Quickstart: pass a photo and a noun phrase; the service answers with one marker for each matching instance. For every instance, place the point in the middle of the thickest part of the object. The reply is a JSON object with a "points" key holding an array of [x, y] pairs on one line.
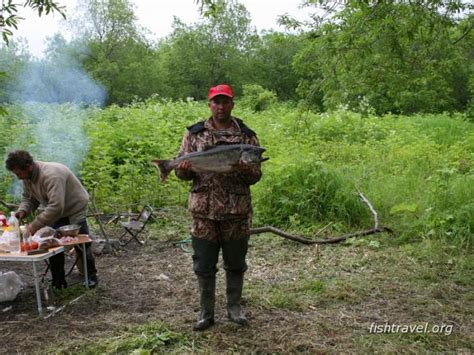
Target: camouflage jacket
{"points": [[219, 196]]}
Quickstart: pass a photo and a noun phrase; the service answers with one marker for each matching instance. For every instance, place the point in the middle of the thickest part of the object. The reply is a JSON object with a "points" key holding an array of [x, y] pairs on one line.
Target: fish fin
{"points": [[163, 167]]}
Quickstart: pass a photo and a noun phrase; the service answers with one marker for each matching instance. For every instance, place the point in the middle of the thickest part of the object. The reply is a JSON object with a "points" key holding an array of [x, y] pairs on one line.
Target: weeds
{"points": [[147, 339], [417, 171]]}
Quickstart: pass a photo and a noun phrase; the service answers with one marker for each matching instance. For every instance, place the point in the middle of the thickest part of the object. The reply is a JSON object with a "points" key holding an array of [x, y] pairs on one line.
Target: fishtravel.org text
{"points": [[424, 328]]}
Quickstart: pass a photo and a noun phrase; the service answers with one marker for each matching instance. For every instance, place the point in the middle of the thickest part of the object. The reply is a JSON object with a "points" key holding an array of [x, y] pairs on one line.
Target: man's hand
{"points": [[184, 165], [31, 229], [245, 168], [20, 214]]}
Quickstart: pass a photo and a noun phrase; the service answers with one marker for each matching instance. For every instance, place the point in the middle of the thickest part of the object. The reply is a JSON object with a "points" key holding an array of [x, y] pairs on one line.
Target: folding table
{"points": [[81, 240], [33, 259]]}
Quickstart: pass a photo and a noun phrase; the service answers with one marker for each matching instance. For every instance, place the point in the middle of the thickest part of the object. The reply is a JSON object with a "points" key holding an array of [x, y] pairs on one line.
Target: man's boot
{"points": [[207, 288], [235, 283]]}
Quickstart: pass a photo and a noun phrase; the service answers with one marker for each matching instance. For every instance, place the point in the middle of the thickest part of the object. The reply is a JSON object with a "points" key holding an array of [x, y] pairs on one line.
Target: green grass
{"points": [[417, 171], [71, 292], [154, 337], [331, 295]]}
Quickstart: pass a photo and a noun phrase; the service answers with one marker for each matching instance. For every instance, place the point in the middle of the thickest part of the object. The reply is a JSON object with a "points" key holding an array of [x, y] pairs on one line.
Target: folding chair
{"points": [[134, 227]]}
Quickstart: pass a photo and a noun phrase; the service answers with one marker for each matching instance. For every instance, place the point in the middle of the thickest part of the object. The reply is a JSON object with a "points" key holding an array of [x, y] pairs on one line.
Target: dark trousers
{"points": [[57, 261], [234, 249]]}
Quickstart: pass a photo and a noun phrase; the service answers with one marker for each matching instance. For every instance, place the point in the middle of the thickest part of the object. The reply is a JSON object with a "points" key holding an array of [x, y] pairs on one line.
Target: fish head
{"points": [[252, 155]]}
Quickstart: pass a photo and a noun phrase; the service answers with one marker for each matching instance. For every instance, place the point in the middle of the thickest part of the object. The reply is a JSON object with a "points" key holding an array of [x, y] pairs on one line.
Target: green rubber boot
{"points": [[207, 288], [235, 283]]}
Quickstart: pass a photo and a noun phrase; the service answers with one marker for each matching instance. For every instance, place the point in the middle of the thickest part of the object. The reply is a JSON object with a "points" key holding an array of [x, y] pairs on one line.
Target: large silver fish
{"points": [[220, 159]]}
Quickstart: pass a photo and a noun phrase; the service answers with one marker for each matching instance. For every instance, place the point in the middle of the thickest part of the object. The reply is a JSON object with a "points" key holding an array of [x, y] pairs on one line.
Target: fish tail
{"points": [[164, 167]]}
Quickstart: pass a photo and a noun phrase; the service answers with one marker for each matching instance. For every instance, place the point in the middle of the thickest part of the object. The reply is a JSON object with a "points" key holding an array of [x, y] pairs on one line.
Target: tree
{"points": [[399, 56], [271, 63], [113, 49], [9, 14], [215, 50], [13, 59], [107, 22]]}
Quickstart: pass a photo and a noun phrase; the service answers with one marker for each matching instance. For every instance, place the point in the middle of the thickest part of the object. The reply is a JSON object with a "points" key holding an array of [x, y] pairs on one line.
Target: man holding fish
{"points": [[222, 157]]}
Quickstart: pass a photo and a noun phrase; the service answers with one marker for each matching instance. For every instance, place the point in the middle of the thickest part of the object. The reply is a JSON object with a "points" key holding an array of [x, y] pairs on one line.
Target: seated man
{"points": [[54, 186]]}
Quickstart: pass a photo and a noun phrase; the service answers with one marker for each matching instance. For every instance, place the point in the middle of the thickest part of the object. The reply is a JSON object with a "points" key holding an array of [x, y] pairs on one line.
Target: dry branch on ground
{"points": [[331, 240]]}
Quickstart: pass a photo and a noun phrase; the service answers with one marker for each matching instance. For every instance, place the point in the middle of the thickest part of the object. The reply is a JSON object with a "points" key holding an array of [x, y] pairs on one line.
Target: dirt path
{"points": [[298, 299]]}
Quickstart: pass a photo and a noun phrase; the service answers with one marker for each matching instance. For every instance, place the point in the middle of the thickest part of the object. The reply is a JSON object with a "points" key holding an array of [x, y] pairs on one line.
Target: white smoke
{"points": [[59, 81], [56, 133], [53, 99]]}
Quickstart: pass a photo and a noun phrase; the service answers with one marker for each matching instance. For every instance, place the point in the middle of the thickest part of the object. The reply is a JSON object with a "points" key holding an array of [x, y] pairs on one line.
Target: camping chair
{"points": [[134, 227]]}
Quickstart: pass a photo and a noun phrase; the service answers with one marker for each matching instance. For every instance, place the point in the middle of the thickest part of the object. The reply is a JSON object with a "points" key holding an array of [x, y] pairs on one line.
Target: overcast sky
{"points": [[156, 16]]}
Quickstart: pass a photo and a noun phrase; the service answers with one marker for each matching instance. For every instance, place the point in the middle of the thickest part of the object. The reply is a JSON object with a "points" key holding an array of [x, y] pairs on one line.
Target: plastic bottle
{"points": [[13, 223], [14, 235]]}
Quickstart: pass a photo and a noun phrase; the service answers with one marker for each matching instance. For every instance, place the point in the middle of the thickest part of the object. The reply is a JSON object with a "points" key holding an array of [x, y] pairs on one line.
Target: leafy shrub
{"points": [[417, 171], [307, 194], [257, 98], [123, 141]]}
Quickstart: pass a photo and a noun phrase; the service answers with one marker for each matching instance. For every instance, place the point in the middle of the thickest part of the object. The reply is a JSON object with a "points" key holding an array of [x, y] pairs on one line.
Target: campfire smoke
{"points": [[52, 100]]}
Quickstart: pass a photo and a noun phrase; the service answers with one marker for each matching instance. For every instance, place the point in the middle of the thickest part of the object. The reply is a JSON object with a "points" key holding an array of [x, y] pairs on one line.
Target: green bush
{"points": [[417, 171], [257, 98], [304, 194], [123, 141]]}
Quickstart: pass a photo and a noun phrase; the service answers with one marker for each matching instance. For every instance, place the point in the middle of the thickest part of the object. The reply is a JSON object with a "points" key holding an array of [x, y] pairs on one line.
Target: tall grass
{"points": [[417, 171]]}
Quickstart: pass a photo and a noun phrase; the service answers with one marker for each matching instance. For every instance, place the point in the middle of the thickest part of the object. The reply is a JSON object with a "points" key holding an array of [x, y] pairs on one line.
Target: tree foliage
{"points": [[9, 17], [113, 49], [370, 56], [271, 63], [215, 50], [399, 56], [13, 59]]}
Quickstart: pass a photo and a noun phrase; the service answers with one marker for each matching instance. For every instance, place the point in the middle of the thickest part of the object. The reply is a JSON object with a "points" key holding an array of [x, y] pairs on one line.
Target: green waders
{"points": [[205, 259]]}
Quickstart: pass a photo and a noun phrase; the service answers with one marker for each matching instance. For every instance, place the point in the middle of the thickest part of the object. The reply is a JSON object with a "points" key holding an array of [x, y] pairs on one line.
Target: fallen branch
{"points": [[269, 229], [59, 309], [372, 209], [10, 206], [376, 229]]}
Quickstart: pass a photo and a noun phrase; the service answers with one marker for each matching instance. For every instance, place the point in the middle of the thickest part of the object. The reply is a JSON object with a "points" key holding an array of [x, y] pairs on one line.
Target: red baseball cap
{"points": [[222, 89]]}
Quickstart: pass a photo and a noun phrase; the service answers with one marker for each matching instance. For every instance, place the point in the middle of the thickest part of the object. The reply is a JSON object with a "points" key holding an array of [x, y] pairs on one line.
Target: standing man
{"points": [[59, 191], [220, 205]]}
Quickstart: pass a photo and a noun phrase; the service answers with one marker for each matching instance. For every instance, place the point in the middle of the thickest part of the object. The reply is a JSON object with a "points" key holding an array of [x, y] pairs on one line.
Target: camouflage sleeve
{"points": [[186, 147], [253, 175]]}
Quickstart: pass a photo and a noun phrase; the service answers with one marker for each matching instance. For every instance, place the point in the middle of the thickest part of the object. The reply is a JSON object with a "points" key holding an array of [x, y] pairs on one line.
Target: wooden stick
{"points": [[376, 229], [374, 212], [270, 229]]}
